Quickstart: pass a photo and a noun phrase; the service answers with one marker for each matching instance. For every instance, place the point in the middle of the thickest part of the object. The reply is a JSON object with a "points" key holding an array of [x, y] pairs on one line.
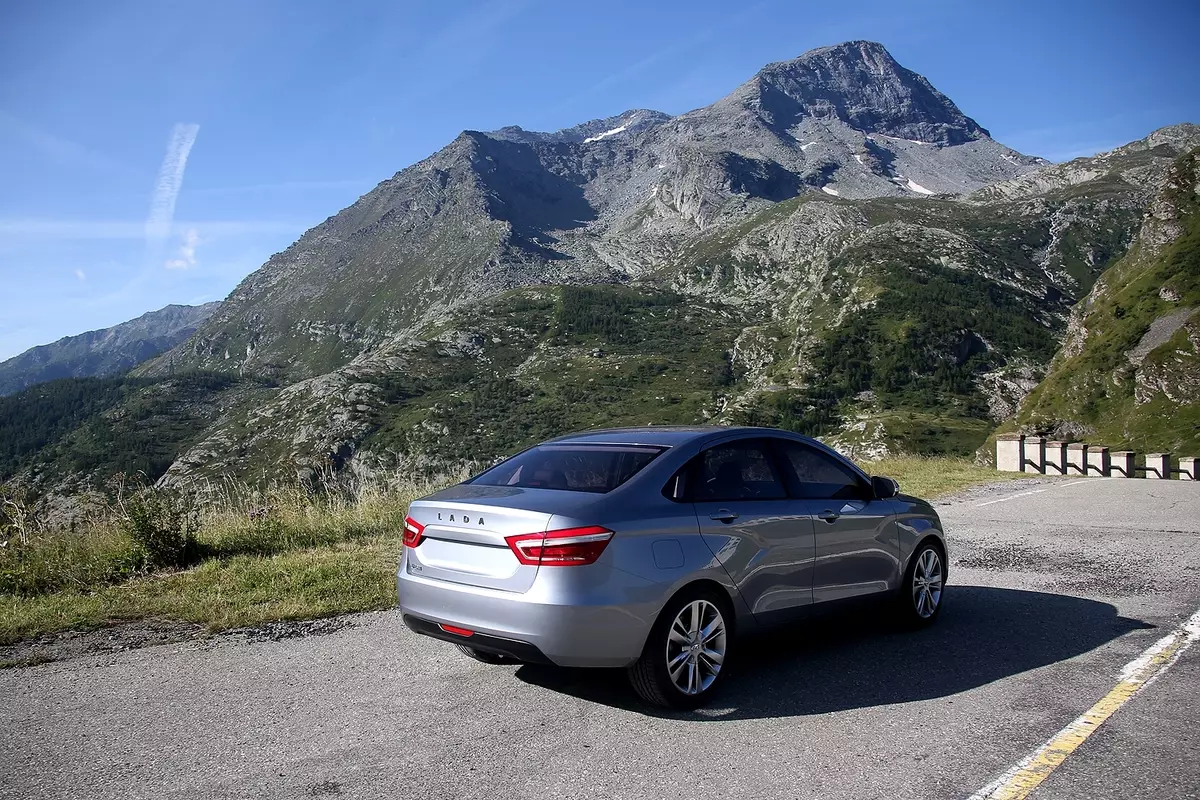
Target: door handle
{"points": [[724, 515], [828, 516]]}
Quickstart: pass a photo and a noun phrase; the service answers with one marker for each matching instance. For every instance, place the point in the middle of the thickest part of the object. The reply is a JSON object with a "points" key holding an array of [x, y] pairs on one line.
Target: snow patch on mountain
{"points": [[600, 136]]}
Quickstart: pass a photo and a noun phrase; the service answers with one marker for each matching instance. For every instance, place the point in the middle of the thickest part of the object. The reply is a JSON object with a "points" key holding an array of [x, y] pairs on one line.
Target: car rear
{"points": [[516, 562]]}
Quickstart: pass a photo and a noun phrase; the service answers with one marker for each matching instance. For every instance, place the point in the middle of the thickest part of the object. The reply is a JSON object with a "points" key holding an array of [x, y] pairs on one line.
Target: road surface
{"points": [[1055, 587]]}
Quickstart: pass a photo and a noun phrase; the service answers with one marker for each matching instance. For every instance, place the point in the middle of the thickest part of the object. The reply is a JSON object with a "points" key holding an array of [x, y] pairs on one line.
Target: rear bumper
{"points": [[522, 651], [570, 631]]}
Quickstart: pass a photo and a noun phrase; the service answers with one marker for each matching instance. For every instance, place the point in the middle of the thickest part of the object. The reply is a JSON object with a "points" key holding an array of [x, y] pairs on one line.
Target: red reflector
{"points": [[456, 631], [562, 548], [412, 532]]}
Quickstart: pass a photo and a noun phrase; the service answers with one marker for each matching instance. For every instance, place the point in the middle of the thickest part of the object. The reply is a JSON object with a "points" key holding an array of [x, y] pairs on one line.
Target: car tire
{"points": [[924, 588], [682, 666], [486, 657]]}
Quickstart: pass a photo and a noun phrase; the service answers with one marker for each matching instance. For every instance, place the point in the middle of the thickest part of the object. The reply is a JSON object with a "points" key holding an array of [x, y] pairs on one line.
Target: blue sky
{"points": [[157, 153]]}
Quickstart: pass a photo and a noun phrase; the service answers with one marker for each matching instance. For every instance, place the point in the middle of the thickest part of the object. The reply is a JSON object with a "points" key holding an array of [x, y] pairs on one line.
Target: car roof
{"points": [[663, 435]]}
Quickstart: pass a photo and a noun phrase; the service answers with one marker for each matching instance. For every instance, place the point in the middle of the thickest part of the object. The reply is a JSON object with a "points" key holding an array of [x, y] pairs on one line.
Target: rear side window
{"points": [[816, 475], [595, 468], [736, 471]]}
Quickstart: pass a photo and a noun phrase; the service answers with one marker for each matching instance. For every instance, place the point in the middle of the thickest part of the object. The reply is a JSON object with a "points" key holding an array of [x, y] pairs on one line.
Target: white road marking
{"points": [[1028, 773], [1034, 491], [1010, 497]]}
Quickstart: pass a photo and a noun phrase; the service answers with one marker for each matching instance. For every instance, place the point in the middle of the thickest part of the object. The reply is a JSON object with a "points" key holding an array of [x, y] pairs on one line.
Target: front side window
{"points": [[816, 475], [736, 471], [597, 468]]}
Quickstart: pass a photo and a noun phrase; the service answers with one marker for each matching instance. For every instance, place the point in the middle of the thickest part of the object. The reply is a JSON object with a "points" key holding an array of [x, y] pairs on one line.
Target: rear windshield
{"points": [[596, 468]]}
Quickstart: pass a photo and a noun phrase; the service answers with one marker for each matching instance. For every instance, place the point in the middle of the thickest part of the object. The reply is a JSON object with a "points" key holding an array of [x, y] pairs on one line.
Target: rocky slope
{"points": [[834, 247], [109, 351], [1128, 372], [608, 201]]}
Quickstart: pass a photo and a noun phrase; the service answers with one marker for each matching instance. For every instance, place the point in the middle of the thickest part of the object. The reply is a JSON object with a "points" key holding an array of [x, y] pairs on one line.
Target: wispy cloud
{"points": [[168, 184], [61, 151], [186, 257], [80, 274]]}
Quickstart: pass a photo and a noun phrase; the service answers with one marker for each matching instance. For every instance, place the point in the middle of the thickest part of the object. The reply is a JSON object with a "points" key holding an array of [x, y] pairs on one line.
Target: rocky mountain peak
{"points": [[861, 85], [622, 125]]}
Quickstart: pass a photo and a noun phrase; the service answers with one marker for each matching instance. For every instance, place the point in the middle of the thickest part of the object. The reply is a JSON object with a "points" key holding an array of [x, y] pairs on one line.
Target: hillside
{"points": [[75, 433], [1129, 369], [833, 247], [108, 351]]}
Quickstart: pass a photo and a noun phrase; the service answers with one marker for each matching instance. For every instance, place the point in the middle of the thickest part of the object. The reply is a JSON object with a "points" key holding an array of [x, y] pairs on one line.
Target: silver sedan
{"points": [[650, 548]]}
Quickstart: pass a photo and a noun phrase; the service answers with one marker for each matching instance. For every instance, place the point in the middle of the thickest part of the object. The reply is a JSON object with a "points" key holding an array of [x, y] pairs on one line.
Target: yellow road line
{"points": [[1027, 774]]}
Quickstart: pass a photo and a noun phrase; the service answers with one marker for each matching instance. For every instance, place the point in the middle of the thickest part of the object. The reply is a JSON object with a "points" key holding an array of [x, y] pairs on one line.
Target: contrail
{"points": [[168, 184]]}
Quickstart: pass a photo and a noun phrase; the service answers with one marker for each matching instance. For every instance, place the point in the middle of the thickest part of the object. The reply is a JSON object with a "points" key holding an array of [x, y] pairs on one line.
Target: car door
{"points": [[763, 538], [857, 552]]}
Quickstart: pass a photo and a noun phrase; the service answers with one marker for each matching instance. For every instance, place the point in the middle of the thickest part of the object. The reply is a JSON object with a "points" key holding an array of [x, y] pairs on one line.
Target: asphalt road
{"points": [[1051, 594]]}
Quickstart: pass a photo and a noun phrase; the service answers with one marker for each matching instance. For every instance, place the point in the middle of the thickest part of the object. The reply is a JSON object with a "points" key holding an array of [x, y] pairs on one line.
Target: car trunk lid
{"points": [[463, 540]]}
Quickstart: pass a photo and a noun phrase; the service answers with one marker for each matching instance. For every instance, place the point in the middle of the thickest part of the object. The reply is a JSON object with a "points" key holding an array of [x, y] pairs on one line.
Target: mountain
{"points": [[109, 351], [606, 202], [833, 247], [1129, 368]]}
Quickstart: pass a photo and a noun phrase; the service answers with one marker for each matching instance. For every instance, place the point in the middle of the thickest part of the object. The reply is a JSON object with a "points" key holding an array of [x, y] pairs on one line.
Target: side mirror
{"points": [[884, 487]]}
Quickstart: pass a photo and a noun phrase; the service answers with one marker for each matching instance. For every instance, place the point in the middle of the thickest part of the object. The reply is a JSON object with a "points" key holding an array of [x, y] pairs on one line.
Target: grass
{"points": [[284, 557], [930, 478], [258, 559]]}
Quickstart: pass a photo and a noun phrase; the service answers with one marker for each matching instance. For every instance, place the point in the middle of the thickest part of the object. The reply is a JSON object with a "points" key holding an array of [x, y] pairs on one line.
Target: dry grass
{"points": [[930, 478], [283, 555]]}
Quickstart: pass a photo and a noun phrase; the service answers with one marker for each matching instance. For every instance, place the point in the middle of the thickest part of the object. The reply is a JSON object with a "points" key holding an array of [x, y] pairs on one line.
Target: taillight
{"points": [[562, 548], [412, 532]]}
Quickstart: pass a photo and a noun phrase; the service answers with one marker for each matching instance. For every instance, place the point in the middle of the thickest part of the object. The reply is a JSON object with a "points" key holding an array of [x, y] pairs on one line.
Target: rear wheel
{"points": [[686, 652], [920, 598], [486, 657]]}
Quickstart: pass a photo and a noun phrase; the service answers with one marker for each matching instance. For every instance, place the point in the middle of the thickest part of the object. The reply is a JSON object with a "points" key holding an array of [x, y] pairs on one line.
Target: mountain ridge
{"points": [[104, 351], [900, 286]]}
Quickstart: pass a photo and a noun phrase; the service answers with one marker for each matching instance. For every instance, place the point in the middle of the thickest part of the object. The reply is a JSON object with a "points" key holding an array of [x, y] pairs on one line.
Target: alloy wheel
{"points": [[927, 583], [696, 646]]}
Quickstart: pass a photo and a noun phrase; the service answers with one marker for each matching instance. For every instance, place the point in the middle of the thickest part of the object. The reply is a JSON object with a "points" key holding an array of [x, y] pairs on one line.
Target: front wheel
{"points": [[686, 652], [920, 598]]}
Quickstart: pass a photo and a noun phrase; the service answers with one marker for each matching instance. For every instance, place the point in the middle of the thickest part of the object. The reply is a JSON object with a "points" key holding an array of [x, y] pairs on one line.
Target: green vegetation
{"points": [[99, 427], [1098, 386], [558, 359], [286, 555], [918, 348], [931, 478]]}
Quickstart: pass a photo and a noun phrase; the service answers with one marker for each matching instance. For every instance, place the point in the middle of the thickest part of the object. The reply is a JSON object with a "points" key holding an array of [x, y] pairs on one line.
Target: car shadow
{"points": [[862, 659]]}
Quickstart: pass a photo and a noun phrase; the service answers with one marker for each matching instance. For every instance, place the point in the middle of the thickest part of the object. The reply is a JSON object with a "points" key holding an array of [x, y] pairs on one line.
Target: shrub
{"points": [[162, 522]]}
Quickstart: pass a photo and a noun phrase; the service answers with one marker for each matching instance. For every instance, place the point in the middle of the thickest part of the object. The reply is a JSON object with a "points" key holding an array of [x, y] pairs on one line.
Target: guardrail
{"points": [[1016, 452]]}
